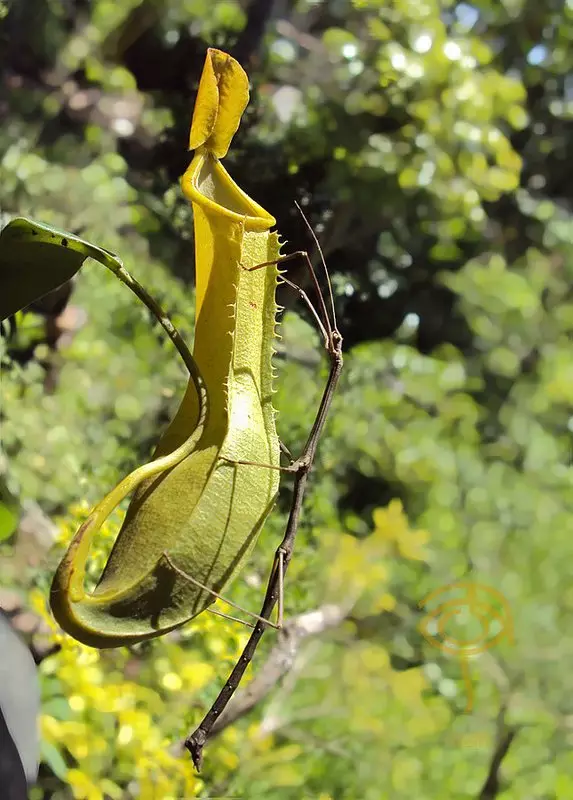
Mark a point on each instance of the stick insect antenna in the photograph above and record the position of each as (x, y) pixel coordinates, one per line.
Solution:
(334, 325)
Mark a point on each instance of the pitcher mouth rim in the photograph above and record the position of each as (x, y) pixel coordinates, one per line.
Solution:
(254, 218)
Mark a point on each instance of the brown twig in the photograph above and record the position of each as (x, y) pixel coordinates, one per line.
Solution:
(505, 736)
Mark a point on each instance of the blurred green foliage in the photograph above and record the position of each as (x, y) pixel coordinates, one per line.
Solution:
(430, 144)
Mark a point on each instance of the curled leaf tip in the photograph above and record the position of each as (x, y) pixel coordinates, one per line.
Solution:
(221, 100)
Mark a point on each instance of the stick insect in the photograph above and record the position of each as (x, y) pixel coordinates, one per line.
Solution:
(300, 468)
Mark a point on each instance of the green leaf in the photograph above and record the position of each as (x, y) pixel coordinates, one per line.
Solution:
(58, 708)
(35, 259)
(52, 756)
(8, 513)
(8, 521)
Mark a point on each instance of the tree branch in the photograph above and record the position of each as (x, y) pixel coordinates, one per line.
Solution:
(281, 660)
(504, 739)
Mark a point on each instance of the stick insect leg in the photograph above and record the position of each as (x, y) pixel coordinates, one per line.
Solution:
(229, 617)
(323, 326)
(280, 600)
(220, 597)
(284, 449)
(291, 467)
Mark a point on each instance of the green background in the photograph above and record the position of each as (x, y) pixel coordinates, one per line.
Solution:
(429, 143)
